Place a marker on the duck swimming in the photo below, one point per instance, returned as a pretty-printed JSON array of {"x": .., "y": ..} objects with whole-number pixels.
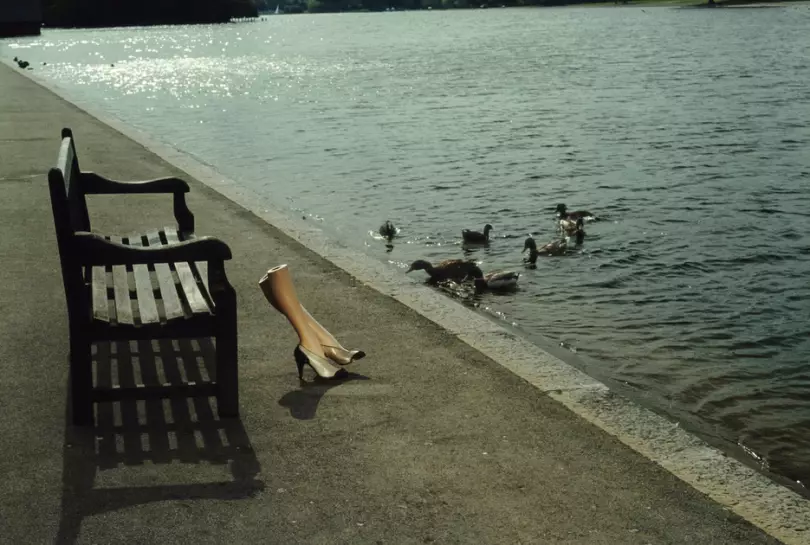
[
  {"x": 563, "y": 213},
  {"x": 457, "y": 270},
  {"x": 388, "y": 231},
  {"x": 477, "y": 237},
  {"x": 497, "y": 281},
  {"x": 572, "y": 227},
  {"x": 557, "y": 247}
]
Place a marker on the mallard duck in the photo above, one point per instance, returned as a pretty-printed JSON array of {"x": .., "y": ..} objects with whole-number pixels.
[
  {"x": 22, "y": 64},
  {"x": 388, "y": 231},
  {"x": 572, "y": 227},
  {"x": 497, "y": 280},
  {"x": 563, "y": 213},
  {"x": 556, "y": 247},
  {"x": 457, "y": 270},
  {"x": 476, "y": 236}
]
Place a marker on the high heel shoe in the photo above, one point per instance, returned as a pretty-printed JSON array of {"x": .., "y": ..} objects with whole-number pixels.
[
  {"x": 340, "y": 355},
  {"x": 322, "y": 366}
]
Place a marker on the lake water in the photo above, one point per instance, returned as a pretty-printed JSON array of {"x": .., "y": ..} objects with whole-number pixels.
[{"x": 686, "y": 131}]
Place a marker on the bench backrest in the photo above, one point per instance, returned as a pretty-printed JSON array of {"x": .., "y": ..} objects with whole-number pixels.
[{"x": 69, "y": 215}]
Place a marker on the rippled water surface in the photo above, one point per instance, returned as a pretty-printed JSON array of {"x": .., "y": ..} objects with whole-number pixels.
[{"x": 686, "y": 131}]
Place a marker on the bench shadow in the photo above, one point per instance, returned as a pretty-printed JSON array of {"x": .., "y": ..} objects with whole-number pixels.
[
  {"x": 184, "y": 434},
  {"x": 303, "y": 402}
]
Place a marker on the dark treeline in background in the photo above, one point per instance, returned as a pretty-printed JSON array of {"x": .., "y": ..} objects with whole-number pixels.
[
  {"x": 100, "y": 13},
  {"x": 103, "y": 13}
]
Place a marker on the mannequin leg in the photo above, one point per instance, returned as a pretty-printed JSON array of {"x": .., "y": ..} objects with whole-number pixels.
[
  {"x": 279, "y": 290},
  {"x": 332, "y": 349}
]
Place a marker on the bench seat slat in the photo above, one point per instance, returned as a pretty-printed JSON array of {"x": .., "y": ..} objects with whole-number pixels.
[
  {"x": 143, "y": 287},
  {"x": 202, "y": 268},
  {"x": 101, "y": 309},
  {"x": 168, "y": 290},
  {"x": 195, "y": 298},
  {"x": 123, "y": 305}
]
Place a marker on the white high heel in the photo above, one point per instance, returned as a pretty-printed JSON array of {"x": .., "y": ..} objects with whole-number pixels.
[{"x": 322, "y": 366}]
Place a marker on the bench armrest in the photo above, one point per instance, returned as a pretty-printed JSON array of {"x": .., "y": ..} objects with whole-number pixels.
[
  {"x": 96, "y": 184},
  {"x": 93, "y": 249},
  {"x": 93, "y": 183}
]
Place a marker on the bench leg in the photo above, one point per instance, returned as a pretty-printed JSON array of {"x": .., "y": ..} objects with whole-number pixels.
[
  {"x": 81, "y": 380},
  {"x": 227, "y": 368}
]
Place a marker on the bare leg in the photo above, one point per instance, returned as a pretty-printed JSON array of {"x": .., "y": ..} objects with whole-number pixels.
[
  {"x": 332, "y": 349},
  {"x": 279, "y": 290}
]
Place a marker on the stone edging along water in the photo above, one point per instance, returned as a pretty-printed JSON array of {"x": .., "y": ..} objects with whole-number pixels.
[{"x": 776, "y": 509}]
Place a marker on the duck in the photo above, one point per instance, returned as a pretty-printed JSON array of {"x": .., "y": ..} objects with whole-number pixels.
[
  {"x": 579, "y": 234},
  {"x": 497, "y": 281},
  {"x": 22, "y": 64},
  {"x": 556, "y": 247},
  {"x": 388, "y": 231},
  {"x": 457, "y": 270},
  {"x": 572, "y": 227},
  {"x": 476, "y": 237},
  {"x": 563, "y": 213}
]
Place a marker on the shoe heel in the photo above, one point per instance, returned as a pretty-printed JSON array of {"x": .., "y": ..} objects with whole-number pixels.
[
  {"x": 300, "y": 360},
  {"x": 320, "y": 364}
]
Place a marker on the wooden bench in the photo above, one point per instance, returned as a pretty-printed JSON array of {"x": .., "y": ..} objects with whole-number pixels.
[{"x": 161, "y": 284}]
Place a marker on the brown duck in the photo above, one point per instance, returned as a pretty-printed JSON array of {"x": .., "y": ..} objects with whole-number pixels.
[
  {"x": 497, "y": 281},
  {"x": 457, "y": 270},
  {"x": 557, "y": 247}
]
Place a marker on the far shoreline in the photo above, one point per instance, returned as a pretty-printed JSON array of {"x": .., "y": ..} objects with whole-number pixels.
[
  {"x": 574, "y": 4},
  {"x": 686, "y": 4},
  {"x": 751, "y": 4}
]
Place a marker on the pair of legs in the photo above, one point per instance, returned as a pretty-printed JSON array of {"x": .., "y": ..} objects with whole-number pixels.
[{"x": 317, "y": 347}]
